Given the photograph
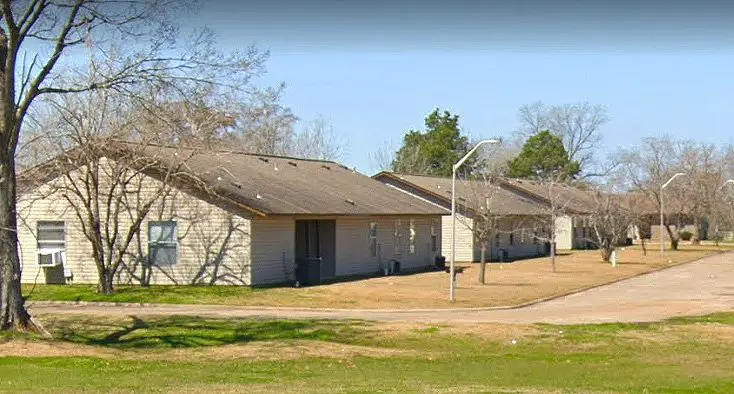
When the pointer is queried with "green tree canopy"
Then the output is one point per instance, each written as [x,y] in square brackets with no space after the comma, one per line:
[543,157]
[434,151]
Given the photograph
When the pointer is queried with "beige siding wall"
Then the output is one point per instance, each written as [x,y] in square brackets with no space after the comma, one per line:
[273,250]
[564,232]
[464,237]
[273,246]
[210,240]
[516,240]
[353,244]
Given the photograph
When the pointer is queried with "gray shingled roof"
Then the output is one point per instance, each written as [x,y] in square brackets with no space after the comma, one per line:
[503,201]
[275,185]
[569,197]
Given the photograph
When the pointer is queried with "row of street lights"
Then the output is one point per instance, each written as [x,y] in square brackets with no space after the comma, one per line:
[662,207]
[452,263]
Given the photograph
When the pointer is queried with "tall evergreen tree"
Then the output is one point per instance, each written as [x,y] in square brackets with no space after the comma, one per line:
[544,157]
[435,150]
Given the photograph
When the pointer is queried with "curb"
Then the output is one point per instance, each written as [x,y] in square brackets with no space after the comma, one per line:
[347,310]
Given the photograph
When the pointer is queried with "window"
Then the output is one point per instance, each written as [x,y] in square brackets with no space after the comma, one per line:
[373,239]
[412,237]
[51,236]
[434,238]
[162,243]
[512,238]
[497,240]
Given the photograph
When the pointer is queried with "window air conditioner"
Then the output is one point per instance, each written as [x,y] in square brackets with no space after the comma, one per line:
[51,257]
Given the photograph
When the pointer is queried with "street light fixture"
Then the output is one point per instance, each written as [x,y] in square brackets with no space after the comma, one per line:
[662,211]
[452,263]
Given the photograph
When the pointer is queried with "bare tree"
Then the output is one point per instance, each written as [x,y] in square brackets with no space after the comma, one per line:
[382,158]
[483,213]
[579,126]
[155,57]
[264,125]
[641,216]
[104,181]
[691,199]
[556,207]
[318,140]
[644,168]
[610,219]
[703,165]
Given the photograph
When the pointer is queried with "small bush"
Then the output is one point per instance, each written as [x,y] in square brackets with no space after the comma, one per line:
[686,235]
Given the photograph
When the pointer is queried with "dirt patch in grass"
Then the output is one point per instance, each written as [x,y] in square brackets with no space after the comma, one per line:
[41,348]
[260,351]
[486,331]
[708,332]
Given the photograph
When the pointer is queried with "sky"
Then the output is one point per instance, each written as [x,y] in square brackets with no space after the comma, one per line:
[376,69]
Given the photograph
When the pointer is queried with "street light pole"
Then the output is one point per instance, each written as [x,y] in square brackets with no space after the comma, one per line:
[452,263]
[662,211]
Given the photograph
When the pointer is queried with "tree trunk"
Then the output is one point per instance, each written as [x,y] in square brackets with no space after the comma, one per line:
[606,251]
[553,254]
[696,239]
[482,263]
[13,315]
[644,247]
[106,281]
[673,240]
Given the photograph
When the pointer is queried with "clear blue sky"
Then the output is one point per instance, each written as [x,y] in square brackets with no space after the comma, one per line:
[375,78]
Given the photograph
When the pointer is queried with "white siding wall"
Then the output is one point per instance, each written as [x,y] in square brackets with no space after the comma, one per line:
[273,250]
[202,230]
[464,237]
[273,246]
[564,232]
[353,244]
[520,246]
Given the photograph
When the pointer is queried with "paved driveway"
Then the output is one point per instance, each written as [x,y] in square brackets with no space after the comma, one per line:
[696,288]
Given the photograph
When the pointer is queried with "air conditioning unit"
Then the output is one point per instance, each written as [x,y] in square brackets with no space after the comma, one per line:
[51,257]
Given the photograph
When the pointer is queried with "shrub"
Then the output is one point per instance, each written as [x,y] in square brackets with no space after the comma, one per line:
[686,235]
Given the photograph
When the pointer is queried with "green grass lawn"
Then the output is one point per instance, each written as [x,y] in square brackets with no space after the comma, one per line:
[139,294]
[187,354]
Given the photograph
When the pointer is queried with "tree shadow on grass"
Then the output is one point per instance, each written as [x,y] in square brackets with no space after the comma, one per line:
[191,332]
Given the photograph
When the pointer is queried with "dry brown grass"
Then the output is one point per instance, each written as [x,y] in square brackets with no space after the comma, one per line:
[258,351]
[508,284]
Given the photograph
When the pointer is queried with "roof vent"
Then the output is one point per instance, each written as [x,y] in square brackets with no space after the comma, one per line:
[325,166]
[219,178]
[263,159]
[275,166]
[293,163]
[349,201]
[258,196]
